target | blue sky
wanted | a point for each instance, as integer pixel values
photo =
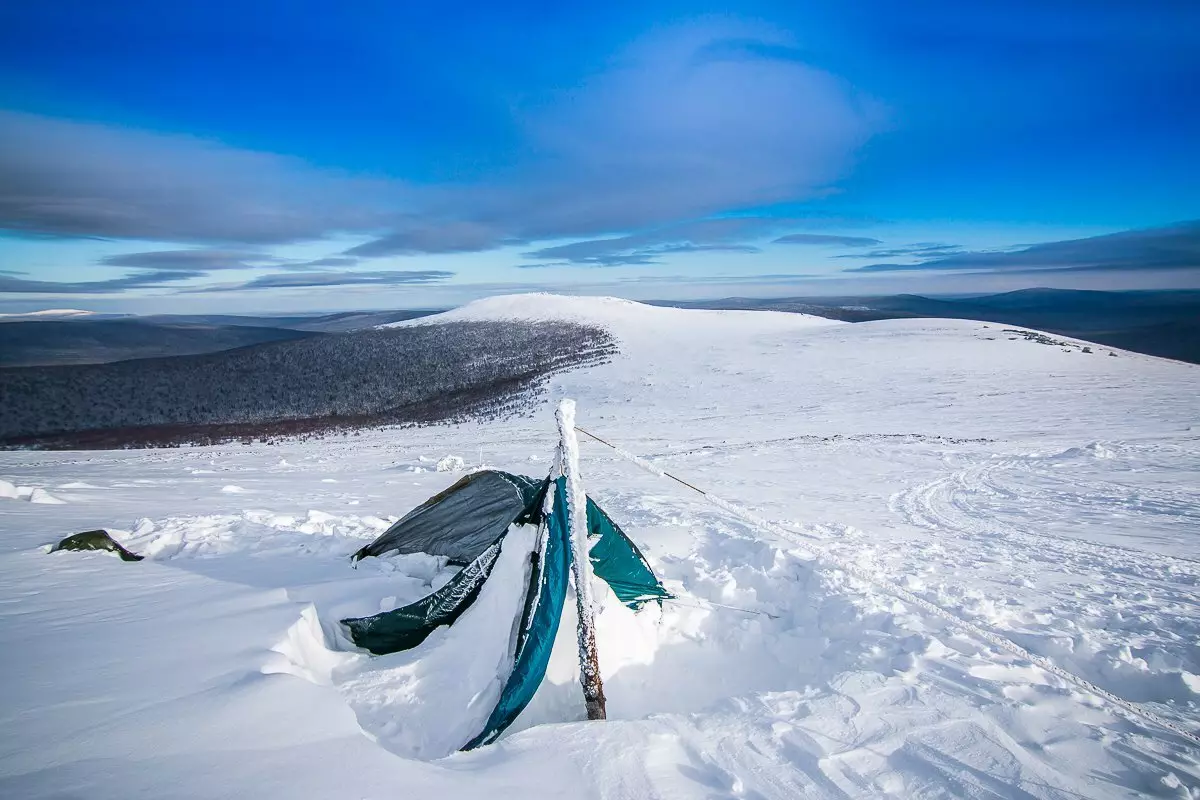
(286, 156)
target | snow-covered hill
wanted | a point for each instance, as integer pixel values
(49, 313)
(1046, 493)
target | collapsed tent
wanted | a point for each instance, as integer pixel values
(468, 524)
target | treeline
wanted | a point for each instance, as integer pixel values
(419, 374)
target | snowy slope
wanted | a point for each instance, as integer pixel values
(1044, 493)
(49, 312)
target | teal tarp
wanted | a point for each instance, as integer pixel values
(617, 561)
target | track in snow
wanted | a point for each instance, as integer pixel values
(1124, 617)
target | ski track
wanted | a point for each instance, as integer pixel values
(1126, 619)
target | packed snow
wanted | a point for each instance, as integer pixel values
(1043, 494)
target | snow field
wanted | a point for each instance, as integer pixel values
(1048, 495)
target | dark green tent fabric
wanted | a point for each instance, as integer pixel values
(460, 522)
(405, 628)
(96, 540)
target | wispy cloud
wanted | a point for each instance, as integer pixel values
(826, 239)
(137, 280)
(300, 280)
(430, 236)
(646, 256)
(767, 278)
(319, 263)
(188, 260)
(917, 250)
(1175, 247)
(711, 235)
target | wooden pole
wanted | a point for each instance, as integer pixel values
(581, 565)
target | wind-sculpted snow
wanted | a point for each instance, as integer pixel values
(1125, 618)
(351, 380)
(1043, 494)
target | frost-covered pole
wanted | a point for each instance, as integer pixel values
(581, 565)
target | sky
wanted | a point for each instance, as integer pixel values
(291, 156)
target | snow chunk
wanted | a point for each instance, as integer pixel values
(451, 464)
(305, 653)
(45, 498)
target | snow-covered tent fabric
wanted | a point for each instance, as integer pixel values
(614, 559)
(460, 522)
(405, 628)
(539, 624)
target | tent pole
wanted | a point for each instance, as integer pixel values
(581, 565)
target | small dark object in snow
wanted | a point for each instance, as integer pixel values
(1087, 349)
(1111, 353)
(1041, 338)
(95, 540)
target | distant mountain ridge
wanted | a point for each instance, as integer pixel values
(1157, 323)
(79, 337)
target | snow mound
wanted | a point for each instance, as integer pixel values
(43, 497)
(34, 494)
(253, 531)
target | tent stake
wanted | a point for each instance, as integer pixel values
(581, 565)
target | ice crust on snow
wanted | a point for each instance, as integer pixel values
(1046, 495)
